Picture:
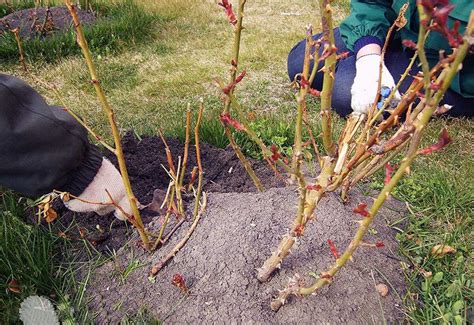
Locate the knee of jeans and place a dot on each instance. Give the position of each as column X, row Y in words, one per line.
column 295, row 61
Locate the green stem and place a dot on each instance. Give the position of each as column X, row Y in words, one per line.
column 113, row 124
column 233, row 74
column 328, row 79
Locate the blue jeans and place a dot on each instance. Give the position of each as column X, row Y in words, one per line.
column 396, row 60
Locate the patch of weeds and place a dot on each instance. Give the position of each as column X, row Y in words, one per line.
column 124, row 272
column 119, row 25
column 142, row 317
column 36, row 262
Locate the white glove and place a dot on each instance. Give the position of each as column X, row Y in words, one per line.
column 364, row 88
column 107, row 178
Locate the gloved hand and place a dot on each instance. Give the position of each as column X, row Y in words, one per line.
column 364, row 88
column 107, row 178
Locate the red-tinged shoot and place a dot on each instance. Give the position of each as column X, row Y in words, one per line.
column 313, row 187
column 229, row 88
column 362, row 210
column 228, row 11
column 388, row 173
column 410, row 44
column 439, row 11
column 227, row 120
column 443, row 141
column 299, row 230
column 179, row 282
column 379, row 244
column 275, row 154
column 333, row 249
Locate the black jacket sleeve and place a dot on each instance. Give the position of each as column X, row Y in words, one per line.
column 42, row 147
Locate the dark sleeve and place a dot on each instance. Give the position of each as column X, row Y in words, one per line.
column 367, row 18
column 42, row 147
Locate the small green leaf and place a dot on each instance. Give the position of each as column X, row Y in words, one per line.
column 424, row 286
column 451, row 290
column 458, row 320
column 447, row 317
column 438, row 277
column 458, row 306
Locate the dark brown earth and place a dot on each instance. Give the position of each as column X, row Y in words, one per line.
column 30, row 21
column 222, row 172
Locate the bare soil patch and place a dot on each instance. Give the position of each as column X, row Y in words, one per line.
column 234, row 237
column 31, row 21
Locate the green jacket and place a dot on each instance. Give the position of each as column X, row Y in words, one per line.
column 374, row 18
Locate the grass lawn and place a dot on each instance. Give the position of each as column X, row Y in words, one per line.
column 150, row 84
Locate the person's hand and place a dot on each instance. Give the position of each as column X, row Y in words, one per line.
column 364, row 88
column 107, row 178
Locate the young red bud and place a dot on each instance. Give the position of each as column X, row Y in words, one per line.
column 178, row 281
column 299, row 230
column 388, row 173
column 304, row 83
column 314, row 92
column 228, row 11
column 240, row 76
column 227, row 120
column 443, row 141
column 362, row 210
column 333, row 249
column 275, row 154
column 342, row 56
column 379, row 244
column 232, row 85
column 313, row 187
column 325, row 275
column 436, row 86
column 409, row 43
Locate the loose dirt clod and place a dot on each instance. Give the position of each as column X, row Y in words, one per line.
column 382, row 289
column 231, row 241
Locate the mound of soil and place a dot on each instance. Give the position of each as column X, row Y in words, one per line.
column 31, row 21
column 236, row 234
column 222, row 173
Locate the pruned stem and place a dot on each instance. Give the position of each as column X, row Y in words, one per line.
column 21, row 53
column 167, row 217
column 266, row 152
column 197, row 212
column 157, row 267
column 312, row 198
column 113, row 125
